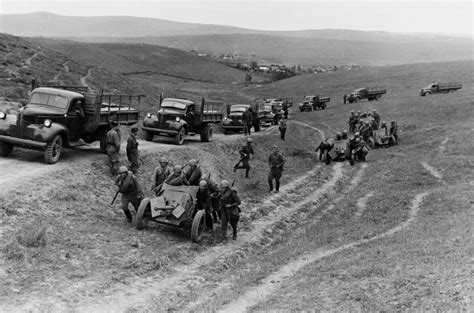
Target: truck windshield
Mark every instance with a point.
(173, 105)
(49, 100)
(238, 108)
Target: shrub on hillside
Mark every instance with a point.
(32, 235)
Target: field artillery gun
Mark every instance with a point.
(180, 117)
(311, 103)
(369, 93)
(438, 87)
(174, 206)
(339, 151)
(59, 116)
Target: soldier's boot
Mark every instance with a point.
(277, 185)
(234, 234)
(128, 214)
(247, 170)
(270, 183)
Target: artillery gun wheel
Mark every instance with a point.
(198, 227)
(206, 134)
(148, 135)
(179, 137)
(52, 153)
(6, 148)
(143, 214)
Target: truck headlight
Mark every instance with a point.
(2, 115)
(178, 119)
(47, 123)
(148, 115)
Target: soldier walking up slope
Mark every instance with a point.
(276, 162)
(245, 152)
(132, 150)
(130, 189)
(113, 148)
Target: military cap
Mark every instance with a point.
(193, 162)
(177, 168)
(202, 183)
(249, 139)
(163, 160)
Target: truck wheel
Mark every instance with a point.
(198, 227)
(148, 135)
(427, 93)
(324, 106)
(53, 150)
(451, 91)
(6, 148)
(179, 137)
(206, 134)
(143, 214)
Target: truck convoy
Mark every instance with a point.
(438, 87)
(233, 122)
(180, 117)
(369, 93)
(59, 116)
(311, 103)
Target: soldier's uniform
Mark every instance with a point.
(113, 148)
(177, 178)
(194, 173)
(247, 120)
(283, 127)
(245, 152)
(162, 171)
(230, 211)
(325, 145)
(204, 202)
(394, 132)
(360, 149)
(132, 150)
(276, 162)
(131, 191)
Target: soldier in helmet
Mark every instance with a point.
(162, 171)
(132, 150)
(376, 116)
(194, 173)
(113, 147)
(245, 153)
(177, 178)
(230, 210)
(383, 126)
(338, 137)
(214, 189)
(203, 202)
(131, 191)
(276, 162)
(394, 132)
(325, 145)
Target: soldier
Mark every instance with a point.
(245, 153)
(162, 171)
(345, 98)
(214, 189)
(366, 130)
(394, 131)
(247, 119)
(383, 125)
(344, 134)
(276, 162)
(132, 150)
(177, 178)
(113, 148)
(325, 145)
(194, 173)
(338, 137)
(131, 191)
(204, 202)
(360, 150)
(376, 116)
(230, 211)
(283, 127)
(79, 109)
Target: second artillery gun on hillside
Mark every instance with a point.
(59, 116)
(180, 117)
(369, 93)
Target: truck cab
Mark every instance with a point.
(234, 119)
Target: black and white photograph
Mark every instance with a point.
(236, 156)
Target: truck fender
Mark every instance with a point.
(150, 121)
(47, 134)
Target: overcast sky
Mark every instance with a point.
(448, 17)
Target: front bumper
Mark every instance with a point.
(23, 142)
(160, 130)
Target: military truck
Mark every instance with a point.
(438, 87)
(177, 118)
(369, 93)
(59, 116)
(233, 122)
(311, 103)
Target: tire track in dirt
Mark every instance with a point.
(209, 294)
(273, 282)
(434, 172)
(362, 204)
(321, 133)
(28, 61)
(442, 146)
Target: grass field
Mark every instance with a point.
(392, 234)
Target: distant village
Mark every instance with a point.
(277, 71)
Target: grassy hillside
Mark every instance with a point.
(316, 51)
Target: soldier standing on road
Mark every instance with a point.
(345, 98)
(132, 150)
(325, 145)
(162, 171)
(245, 152)
(203, 199)
(130, 189)
(282, 127)
(394, 132)
(276, 162)
(230, 211)
(177, 178)
(113, 148)
(247, 120)
(194, 173)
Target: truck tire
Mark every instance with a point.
(428, 93)
(206, 134)
(148, 135)
(324, 106)
(143, 214)
(179, 137)
(6, 148)
(52, 153)
(198, 227)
